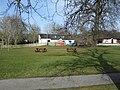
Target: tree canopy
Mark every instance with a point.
(92, 15)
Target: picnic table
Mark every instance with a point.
(41, 50)
(71, 50)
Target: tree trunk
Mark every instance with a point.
(8, 44)
(96, 24)
(2, 43)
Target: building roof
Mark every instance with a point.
(56, 36)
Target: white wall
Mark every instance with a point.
(44, 41)
(114, 40)
(109, 40)
(54, 41)
(106, 41)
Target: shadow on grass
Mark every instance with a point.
(106, 66)
(76, 66)
(93, 58)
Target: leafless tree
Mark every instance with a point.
(6, 30)
(54, 28)
(1, 37)
(30, 7)
(18, 28)
(12, 29)
(34, 30)
(20, 7)
(49, 28)
(93, 14)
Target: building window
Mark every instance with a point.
(55, 36)
(48, 41)
(62, 36)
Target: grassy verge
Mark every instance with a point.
(100, 87)
(25, 63)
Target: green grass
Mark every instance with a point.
(25, 63)
(100, 87)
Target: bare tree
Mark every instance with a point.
(54, 28)
(18, 28)
(6, 30)
(12, 29)
(93, 14)
(34, 30)
(20, 7)
(1, 37)
(49, 28)
(28, 7)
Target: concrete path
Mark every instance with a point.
(59, 82)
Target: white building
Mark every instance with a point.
(110, 41)
(54, 38)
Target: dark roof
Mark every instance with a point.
(56, 36)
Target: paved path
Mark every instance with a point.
(59, 82)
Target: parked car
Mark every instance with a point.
(81, 44)
(72, 43)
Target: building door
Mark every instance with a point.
(112, 40)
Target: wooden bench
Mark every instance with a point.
(71, 50)
(40, 50)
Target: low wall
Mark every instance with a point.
(101, 44)
(23, 45)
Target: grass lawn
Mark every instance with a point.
(25, 63)
(100, 87)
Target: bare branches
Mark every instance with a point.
(24, 7)
(12, 28)
(94, 15)
(44, 9)
(90, 10)
(57, 10)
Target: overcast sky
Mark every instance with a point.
(44, 11)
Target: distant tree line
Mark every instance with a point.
(13, 30)
(86, 35)
(95, 15)
(81, 16)
(54, 28)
